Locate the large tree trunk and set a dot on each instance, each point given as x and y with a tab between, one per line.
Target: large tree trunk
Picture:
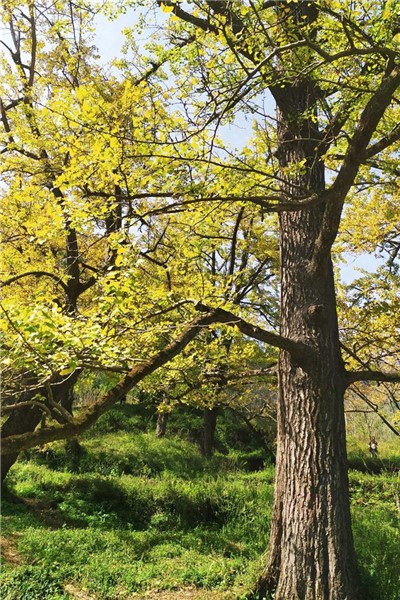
311	547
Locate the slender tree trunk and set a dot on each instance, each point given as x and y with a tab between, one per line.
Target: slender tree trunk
209	425
161	426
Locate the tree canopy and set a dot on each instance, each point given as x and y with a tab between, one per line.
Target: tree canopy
122	208
139	241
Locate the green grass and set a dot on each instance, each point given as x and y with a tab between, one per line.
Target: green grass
138	454
182	521
376	529
131	513
388	459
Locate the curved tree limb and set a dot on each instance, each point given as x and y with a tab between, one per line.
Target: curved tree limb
269	203
35	274
298	349
79	424
82	422
358	144
188	17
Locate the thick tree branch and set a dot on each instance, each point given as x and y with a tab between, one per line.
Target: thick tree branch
34	274
353	376
383	50
336	195
188	17
299	349
268	203
27	404
82	422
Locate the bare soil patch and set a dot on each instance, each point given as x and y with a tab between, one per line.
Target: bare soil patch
181	594
9	552
184	594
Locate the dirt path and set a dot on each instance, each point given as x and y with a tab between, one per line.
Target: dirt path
185	594
75	592
182	594
9	552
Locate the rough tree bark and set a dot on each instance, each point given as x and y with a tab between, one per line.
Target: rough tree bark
311	546
311	554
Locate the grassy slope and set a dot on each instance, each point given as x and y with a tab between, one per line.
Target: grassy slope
133	513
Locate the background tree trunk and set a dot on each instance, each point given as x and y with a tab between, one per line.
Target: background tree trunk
161	426
21	420
209	425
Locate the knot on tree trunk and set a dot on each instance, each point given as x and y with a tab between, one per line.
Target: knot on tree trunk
315	310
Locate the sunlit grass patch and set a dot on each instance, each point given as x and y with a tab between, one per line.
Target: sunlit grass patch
118	534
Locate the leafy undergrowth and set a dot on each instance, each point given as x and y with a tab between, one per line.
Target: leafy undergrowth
135	517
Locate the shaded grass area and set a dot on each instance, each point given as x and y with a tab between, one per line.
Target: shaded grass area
129	513
376	528
182	522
